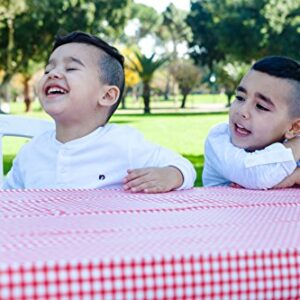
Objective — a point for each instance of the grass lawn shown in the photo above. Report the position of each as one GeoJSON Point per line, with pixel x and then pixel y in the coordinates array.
{"type": "Point", "coordinates": [182, 132]}
{"type": "Point", "coordinates": [175, 102]}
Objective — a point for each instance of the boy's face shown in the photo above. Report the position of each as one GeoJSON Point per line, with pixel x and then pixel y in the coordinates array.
{"type": "Point", "coordinates": [259, 115]}
{"type": "Point", "coordinates": [70, 88]}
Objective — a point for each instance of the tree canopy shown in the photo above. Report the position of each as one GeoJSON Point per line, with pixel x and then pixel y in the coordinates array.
{"type": "Point", "coordinates": [28, 27]}
{"type": "Point", "coordinates": [244, 29]}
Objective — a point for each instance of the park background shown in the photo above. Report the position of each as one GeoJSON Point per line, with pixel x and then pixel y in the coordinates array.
{"type": "Point", "coordinates": [183, 59]}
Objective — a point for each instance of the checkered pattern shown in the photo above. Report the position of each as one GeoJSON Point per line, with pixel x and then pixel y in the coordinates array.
{"type": "Point", "coordinates": [208, 243]}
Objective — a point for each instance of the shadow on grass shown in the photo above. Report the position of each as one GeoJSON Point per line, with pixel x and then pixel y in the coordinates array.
{"type": "Point", "coordinates": [7, 163]}
{"type": "Point", "coordinates": [37, 109]}
{"type": "Point", "coordinates": [197, 161]}
{"type": "Point", "coordinates": [123, 122]}
{"type": "Point", "coordinates": [171, 114]}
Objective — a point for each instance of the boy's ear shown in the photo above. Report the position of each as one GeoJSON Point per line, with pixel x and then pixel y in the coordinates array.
{"type": "Point", "coordinates": [294, 130]}
{"type": "Point", "coordinates": [110, 96]}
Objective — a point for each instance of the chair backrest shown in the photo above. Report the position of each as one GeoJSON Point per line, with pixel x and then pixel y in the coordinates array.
{"type": "Point", "coordinates": [21, 127]}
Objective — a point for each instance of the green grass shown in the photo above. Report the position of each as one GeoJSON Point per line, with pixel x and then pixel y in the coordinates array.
{"type": "Point", "coordinates": [182, 132]}
{"type": "Point", "coordinates": [175, 101]}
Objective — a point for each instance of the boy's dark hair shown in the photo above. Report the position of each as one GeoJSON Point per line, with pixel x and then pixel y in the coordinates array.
{"type": "Point", "coordinates": [285, 68]}
{"type": "Point", "coordinates": [111, 63]}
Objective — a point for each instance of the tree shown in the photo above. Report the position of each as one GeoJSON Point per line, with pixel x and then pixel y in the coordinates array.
{"type": "Point", "coordinates": [187, 75]}
{"type": "Point", "coordinates": [204, 43]}
{"type": "Point", "coordinates": [9, 10]}
{"type": "Point", "coordinates": [35, 26]}
{"type": "Point", "coordinates": [174, 31]}
{"type": "Point", "coordinates": [242, 31]}
{"type": "Point", "coordinates": [146, 67]}
{"type": "Point", "coordinates": [143, 21]}
{"type": "Point", "coordinates": [131, 76]}
{"type": "Point", "coordinates": [245, 30]}
{"type": "Point", "coordinates": [228, 76]}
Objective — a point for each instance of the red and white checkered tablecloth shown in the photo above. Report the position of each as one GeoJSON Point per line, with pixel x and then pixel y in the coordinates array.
{"type": "Point", "coordinates": [205, 243]}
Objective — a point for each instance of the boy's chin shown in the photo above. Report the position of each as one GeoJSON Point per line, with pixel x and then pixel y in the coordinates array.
{"type": "Point", "coordinates": [248, 148]}
{"type": "Point", "coordinates": [244, 146]}
{"type": "Point", "coordinates": [53, 112]}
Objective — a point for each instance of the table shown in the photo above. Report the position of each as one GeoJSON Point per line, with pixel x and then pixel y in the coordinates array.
{"type": "Point", "coordinates": [204, 243]}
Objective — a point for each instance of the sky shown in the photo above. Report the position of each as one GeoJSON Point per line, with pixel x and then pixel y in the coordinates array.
{"type": "Point", "coordinates": [160, 5]}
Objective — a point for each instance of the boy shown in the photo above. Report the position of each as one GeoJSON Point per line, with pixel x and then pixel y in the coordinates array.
{"type": "Point", "coordinates": [81, 88]}
{"type": "Point", "coordinates": [251, 151]}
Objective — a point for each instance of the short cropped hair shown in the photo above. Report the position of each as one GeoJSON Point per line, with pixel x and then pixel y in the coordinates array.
{"type": "Point", "coordinates": [285, 68]}
{"type": "Point", "coordinates": [111, 63]}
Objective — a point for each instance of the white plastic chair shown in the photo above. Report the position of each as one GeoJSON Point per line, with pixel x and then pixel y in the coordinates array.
{"type": "Point", "coordinates": [20, 127]}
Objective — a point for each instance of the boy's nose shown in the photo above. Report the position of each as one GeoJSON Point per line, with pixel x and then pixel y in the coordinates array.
{"type": "Point", "coordinates": [245, 112]}
{"type": "Point", "coordinates": [54, 74]}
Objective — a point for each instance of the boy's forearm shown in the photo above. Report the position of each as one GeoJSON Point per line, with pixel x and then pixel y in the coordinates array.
{"type": "Point", "coordinates": [258, 170]}
{"type": "Point", "coordinates": [296, 175]}
{"type": "Point", "coordinates": [175, 177]}
{"type": "Point", "coordinates": [184, 173]}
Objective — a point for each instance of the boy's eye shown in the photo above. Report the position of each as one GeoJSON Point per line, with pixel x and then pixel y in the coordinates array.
{"type": "Point", "coordinates": [47, 71]}
{"type": "Point", "coordinates": [239, 98]}
{"type": "Point", "coordinates": [71, 69]}
{"type": "Point", "coordinates": [260, 107]}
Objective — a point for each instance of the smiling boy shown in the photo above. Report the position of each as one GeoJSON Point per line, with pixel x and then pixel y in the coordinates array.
{"type": "Point", "coordinates": [259, 147]}
{"type": "Point", "coordinates": [81, 88]}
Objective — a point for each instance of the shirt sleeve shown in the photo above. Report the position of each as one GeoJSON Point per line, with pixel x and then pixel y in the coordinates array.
{"type": "Point", "coordinates": [262, 169]}
{"type": "Point", "coordinates": [143, 153]}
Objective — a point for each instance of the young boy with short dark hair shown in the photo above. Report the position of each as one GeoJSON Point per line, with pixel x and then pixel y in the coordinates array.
{"type": "Point", "coordinates": [259, 148]}
{"type": "Point", "coordinates": [81, 88]}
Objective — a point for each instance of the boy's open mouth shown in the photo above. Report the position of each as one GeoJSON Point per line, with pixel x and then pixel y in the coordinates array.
{"type": "Point", "coordinates": [55, 90]}
{"type": "Point", "coordinates": [241, 130]}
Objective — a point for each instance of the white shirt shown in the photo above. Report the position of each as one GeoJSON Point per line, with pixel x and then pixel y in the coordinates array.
{"type": "Point", "coordinates": [99, 160]}
{"type": "Point", "coordinates": [225, 163]}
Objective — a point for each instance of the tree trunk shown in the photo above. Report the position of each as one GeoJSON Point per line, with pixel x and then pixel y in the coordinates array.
{"type": "Point", "coordinates": [123, 103]}
{"type": "Point", "coordinates": [146, 97]}
{"type": "Point", "coordinates": [167, 88]}
{"type": "Point", "coordinates": [27, 99]}
{"type": "Point", "coordinates": [123, 100]}
{"type": "Point", "coordinates": [5, 106]}
{"type": "Point", "coordinates": [10, 46]}
{"type": "Point", "coordinates": [184, 96]}
{"type": "Point", "coordinates": [229, 94]}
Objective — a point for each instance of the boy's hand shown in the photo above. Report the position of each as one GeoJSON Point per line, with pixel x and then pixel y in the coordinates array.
{"type": "Point", "coordinates": [153, 180]}
{"type": "Point", "coordinates": [291, 180]}
{"type": "Point", "coordinates": [294, 144]}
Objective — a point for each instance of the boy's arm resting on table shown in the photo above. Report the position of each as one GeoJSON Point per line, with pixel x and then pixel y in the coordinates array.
{"type": "Point", "coordinates": [289, 181]}
{"type": "Point", "coordinates": [256, 170]}
{"type": "Point", "coordinates": [153, 180]}
{"type": "Point", "coordinates": [154, 168]}
{"type": "Point", "coordinates": [294, 145]}
{"type": "Point", "coordinates": [294, 178]}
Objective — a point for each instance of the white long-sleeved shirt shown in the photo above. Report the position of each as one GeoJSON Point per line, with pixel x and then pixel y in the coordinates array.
{"type": "Point", "coordinates": [225, 163]}
{"type": "Point", "coordinates": [99, 160]}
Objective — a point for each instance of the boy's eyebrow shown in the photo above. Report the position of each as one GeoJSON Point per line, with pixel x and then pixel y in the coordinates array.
{"type": "Point", "coordinates": [264, 98]}
{"type": "Point", "coordinates": [67, 59]}
{"type": "Point", "coordinates": [74, 59]}
{"type": "Point", "coordinates": [241, 89]}
{"type": "Point", "coordinates": [258, 95]}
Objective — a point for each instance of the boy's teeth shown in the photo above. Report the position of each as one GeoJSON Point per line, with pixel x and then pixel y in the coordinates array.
{"type": "Point", "coordinates": [56, 90]}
